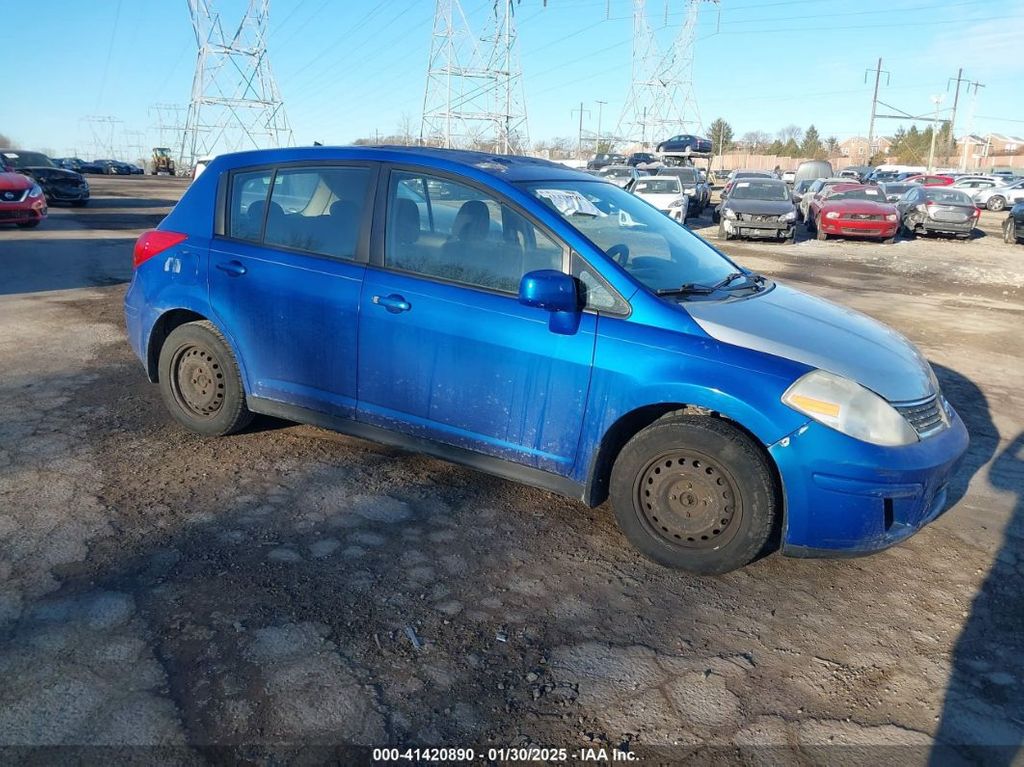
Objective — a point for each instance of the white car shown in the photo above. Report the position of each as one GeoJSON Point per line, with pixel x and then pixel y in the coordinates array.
{"type": "Point", "coordinates": [665, 193]}
{"type": "Point", "coordinates": [1000, 197]}
{"type": "Point", "coordinates": [788, 176]}
{"type": "Point", "coordinates": [620, 175]}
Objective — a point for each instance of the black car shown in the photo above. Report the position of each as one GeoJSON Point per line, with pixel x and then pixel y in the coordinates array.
{"type": "Point", "coordinates": [605, 159]}
{"type": "Point", "coordinates": [1013, 226]}
{"type": "Point", "coordinates": [685, 143]}
{"type": "Point", "coordinates": [641, 158]}
{"type": "Point", "coordinates": [58, 184]}
{"type": "Point", "coordinates": [69, 163]}
{"type": "Point", "coordinates": [758, 207]}
{"type": "Point", "coordinates": [694, 187]}
{"type": "Point", "coordinates": [95, 166]}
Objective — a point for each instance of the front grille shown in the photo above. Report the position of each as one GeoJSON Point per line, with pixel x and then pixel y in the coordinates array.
{"type": "Point", "coordinates": [13, 195]}
{"type": "Point", "coordinates": [757, 218]}
{"type": "Point", "coordinates": [15, 215]}
{"type": "Point", "coordinates": [864, 217]}
{"type": "Point", "coordinates": [924, 415]}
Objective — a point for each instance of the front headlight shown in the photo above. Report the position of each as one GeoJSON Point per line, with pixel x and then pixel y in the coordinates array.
{"type": "Point", "coordinates": [832, 214]}
{"type": "Point", "coordinates": [892, 217]}
{"type": "Point", "coordinates": [35, 191]}
{"type": "Point", "coordinates": [679, 202]}
{"type": "Point", "coordinates": [848, 407]}
{"type": "Point", "coordinates": [791, 216]}
{"type": "Point", "coordinates": [728, 213]}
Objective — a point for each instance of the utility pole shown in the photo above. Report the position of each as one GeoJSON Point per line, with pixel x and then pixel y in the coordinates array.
{"type": "Point", "coordinates": [952, 119]}
{"type": "Point", "coordinates": [935, 124]}
{"type": "Point", "coordinates": [581, 110]}
{"type": "Point", "coordinates": [874, 104]}
{"type": "Point", "coordinates": [597, 144]}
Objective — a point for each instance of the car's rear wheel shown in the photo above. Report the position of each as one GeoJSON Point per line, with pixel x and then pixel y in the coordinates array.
{"type": "Point", "coordinates": [200, 381]}
{"type": "Point", "coordinates": [1010, 231]}
{"type": "Point", "coordinates": [822, 235]}
{"type": "Point", "coordinates": [996, 202]}
{"type": "Point", "coordinates": [695, 493]}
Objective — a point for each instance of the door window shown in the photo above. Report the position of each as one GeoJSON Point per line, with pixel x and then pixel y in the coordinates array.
{"type": "Point", "coordinates": [317, 210]}
{"type": "Point", "coordinates": [248, 203]}
{"type": "Point", "coordinates": [440, 228]}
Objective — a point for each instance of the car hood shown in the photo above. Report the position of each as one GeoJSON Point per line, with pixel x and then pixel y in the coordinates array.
{"type": "Point", "coordinates": [47, 173]}
{"type": "Point", "coordinates": [759, 207]}
{"type": "Point", "coordinates": [794, 325]}
{"type": "Point", "coordinates": [659, 200]}
{"type": "Point", "coordinates": [14, 181]}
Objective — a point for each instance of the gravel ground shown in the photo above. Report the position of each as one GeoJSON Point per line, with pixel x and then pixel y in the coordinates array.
{"type": "Point", "coordinates": [289, 587]}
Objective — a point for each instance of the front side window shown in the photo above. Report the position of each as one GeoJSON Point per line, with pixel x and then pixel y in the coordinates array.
{"type": "Point", "coordinates": [656, 250]}
{"type": "Point", "coordinates": [440, 228]}
{"type": "Point", "coordinates": [317, 210]}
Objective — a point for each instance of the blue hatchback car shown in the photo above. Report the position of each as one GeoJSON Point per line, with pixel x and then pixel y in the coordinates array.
{"type": "Point", "coordinates": [546, 326]}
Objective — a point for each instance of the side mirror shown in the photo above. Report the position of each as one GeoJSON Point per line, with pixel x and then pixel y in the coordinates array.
{"type": "Point", "coordinates": [549, 289]}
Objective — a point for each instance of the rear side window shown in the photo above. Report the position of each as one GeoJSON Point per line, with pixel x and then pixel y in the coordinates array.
{"type": "Point", "coordinates": [317, 210]}
{"type": "Point", "coordinates": [248, 203]}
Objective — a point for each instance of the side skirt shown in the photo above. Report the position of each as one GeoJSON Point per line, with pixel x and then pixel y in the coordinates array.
{"type": "Point", "coordinates": [525, 475]}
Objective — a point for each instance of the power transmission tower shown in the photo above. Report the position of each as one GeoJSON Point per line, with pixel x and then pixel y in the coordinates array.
{"type": "Point", "coordinates": [661, 100]}
{"type": "Point", "coordinates": [235, 104]}
{"type": "Point", "coordinates": [101, 130]}
{"type": "Point", "coordinates": [168, 123]}
{"type": "Point", "coordinates": [474, 92]}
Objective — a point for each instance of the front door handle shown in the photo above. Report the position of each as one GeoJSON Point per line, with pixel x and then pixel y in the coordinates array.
{"type": "Point", "coordinates": [233, 268]}
{"type": "Point", "coordinates": [394, 303]}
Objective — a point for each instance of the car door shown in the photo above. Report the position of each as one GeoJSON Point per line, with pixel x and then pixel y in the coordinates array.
{"type": "Point", "coordinates": [446, 351]}
{"type": "Point", "coordinates": [285, 275]}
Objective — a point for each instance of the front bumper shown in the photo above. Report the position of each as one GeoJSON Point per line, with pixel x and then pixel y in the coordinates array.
{"type": "Point", "coordinates": [33, 209]}
{"type": "Point", "coordinates": [845, 497]}
{"type": "Point", "coordinates": [759, 229]}
{"type": "Point", "coordinates": [854, 228]}
{"type": "Point", "coordinates": [66, 193]}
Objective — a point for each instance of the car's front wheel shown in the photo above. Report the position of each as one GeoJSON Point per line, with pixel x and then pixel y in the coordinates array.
{"type": "Point", "coordinates": [996, 202]}
{"type": "Point", "coordinates": [200, 381]}
{"type": "Point", "coordinates": [695, 493]}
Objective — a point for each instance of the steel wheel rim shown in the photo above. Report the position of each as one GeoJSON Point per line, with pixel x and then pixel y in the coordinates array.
{"type": "Point", "coordinates": [197, 381]}
{"type": "Point", "coordinates": [688, 500]}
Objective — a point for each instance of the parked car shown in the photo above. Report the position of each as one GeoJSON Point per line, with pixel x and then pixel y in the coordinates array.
{"type": "Point", "coordinates": [814, 192]}
{"type": "Point", "coordinates": [95, 166]}
{"type": "Point", "coordinates": [685, 143]}
{"type": "Point", "coordinates": [694, 185]}
{"type": "Point", "coordinates": [1013, 226]}
{"type": "Point", "coordinates": [812, 170]}
{"type": "Point", "coordinates": [928, 209]}
{"type": "Point", "coordinates": [893, 190]}
{"type": "Point", "coordinates": [858, 172]}
{"type": "Point", "coordinates": [789, 176]}
{"type": "Point", "coordinates": [641, 158]}
{"type": "Point", "coordinates": [738, 174]}
{"type": "Point", "coordinates": [604, 160]}
{"type": "Point", "coordinates": [925, 179]}
{"type": "Point", "coordinates": [799, 190]}
{"type": "Point", "coordinates": [970, 184]}
{"type": "Point", "coordinates": [620, 175]}
{"type": "Point", "coordinates": [759, 208]}
{"type": "Point", "coordinates": [998, 197]}
{"type": "Point", "coordinates": [665, 193]}
{"type": "Point", "coordinates": [22, 201]}
{"type": "Point", "coordinates": [58, 184]}
{"type": "Point", "coordinates": [879, 176]}
{"type": "Point", "coordinates": [69, 163]}
{"type": "Point", "coordinates": [546, 328]}
{"type": "Point", "coordinates": [854, 210]}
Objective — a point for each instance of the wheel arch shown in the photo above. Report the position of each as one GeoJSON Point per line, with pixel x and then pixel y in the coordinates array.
{"type": "Point", "coordinates": [632, 423]}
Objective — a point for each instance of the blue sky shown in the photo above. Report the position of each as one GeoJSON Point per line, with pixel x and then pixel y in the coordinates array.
{"type": "Point", "coordinates": [349, 67]}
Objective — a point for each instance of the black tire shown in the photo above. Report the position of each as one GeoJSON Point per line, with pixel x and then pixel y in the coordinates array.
{"type": "Point", "coordinates": [212, 401]}
{"type": "Point", "coordinates": [29, 224]}
{"type": "Point", "coordinates": [889, 240]}
{"type": "Point", "coordinates": [1010, 231]}
{"type": "Point", "coordinates": [822, 235]}
{"type": "Point", "coordinates": [683, 463]}
{"type": "Point", "coordinates": [809, 222]}
{"type": "Point", "coordinates": [996, 202]}
{"type": "Point", "coordinates": [716, 216]}
{"type": "Point", "coordinates": [790, 239]}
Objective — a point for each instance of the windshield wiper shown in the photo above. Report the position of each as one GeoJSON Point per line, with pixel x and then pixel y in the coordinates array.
{"type": "Point", "coordinates": [755, 279]}
{"type": "Point", "coordinates": [687, 289]}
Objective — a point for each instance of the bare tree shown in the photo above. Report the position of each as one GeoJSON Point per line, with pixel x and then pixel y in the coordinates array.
{"type": "Point", "coordinates": [791, 133]}
{"type": "Point", "coordinates": [405, 128]}
{"type": "Point", "coordinates": [756, 140]}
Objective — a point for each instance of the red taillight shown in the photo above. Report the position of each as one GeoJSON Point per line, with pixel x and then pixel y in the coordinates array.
{"type": "Point", "coordinates": [977, 212]}
{"type": "Point", "coordinates": [153, 242]}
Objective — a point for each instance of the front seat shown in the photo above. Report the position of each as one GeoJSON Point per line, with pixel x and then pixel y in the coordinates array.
{"type": "Point", "coordinates": [464, 252]}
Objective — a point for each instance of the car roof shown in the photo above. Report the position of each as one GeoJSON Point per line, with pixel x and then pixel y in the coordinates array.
{"type": "Point", "coordinates": [504, 167]}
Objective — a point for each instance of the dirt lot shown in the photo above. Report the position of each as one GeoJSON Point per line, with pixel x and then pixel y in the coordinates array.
{"type": "Point", "coordinates": [290, 587]}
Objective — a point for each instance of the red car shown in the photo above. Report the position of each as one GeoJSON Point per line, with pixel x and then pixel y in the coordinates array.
{"type": "Point", "coordinates": [22, 201]}
{"type": "Point", "coordinates": [928, 180]}
{"type": "Point", "coordinates": [853, 210]}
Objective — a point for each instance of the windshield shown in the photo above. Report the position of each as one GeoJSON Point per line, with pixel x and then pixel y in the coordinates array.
{"type": "Point", "coordinates": [657, 186]}
{"type": "Point", "coordinates": [687, 175]}
{"type": "Point", "coordinates": [28, 160]}
{"type": "Point", "coordinates": [657, 251]}
{"type": "Point", "coordinates": [760, 190]}
{"type": "Point", "coordinates": [870, 193]}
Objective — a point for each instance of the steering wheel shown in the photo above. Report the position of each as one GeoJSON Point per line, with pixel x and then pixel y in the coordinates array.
{"type": "Point", "coordinates": [620, 253]}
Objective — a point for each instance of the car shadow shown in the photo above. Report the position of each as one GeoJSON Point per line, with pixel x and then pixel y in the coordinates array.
{"type": "Point", "coordinates": [982, 718]}
{"type": "Point", "coordinates": [59, 263]}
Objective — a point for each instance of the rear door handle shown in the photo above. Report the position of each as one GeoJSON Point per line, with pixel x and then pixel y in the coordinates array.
{"type": "Point", "coordinates": [394, 303]}
{"type": "Point", "coordinates": [233, 268]}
